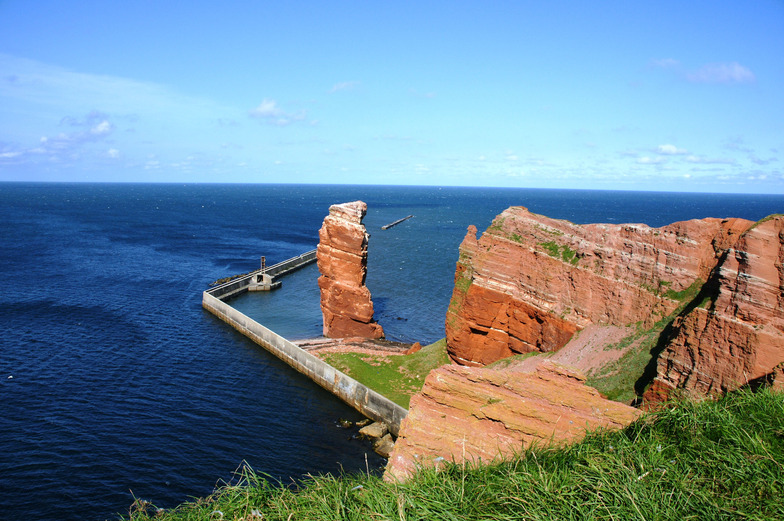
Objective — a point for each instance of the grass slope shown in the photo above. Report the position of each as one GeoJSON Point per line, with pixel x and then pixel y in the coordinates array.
{"type": "Point", "coordinates": [709, 460]}
{"type": "Point", "coordinates": [398, 377]}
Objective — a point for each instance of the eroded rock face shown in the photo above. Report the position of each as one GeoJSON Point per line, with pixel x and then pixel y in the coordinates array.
{"type": "Point", "coordinates": [735, 334]}
{"type": "Point", "coordinates": [530, 282]}
{"type": "Point", "coordinates": [472, 414]}
{"type": "Point", "coordinates": [342, 261]}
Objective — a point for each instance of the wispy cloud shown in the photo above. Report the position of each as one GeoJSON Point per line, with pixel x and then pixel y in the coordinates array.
{"type": "Point", "coordinates": [94, 127]}
{"type": "Point", "coordinates": [710, 161]}
{"type": "Point", "coordinates": [667, 63]}
{"type": "Point", "coordinates": [269, 111]}
{"type": "Point", "coordinates": [647, 160]}
{"type": "Point", "coordinates": [96, 108]}
{"type": "Point", "coordinates": [732, 72]}
{"type": "Point", "coordinates": [670, 150]}
{"type": "Point", "coordinates": [723, 72]}
{"type": "Point", "coordinates": [345, 85]}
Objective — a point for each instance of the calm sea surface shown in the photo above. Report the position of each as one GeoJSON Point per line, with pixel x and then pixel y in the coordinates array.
{"type": "Point", "coordinates": [115, 384]}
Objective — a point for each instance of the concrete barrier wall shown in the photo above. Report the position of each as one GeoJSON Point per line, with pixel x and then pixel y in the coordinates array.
{"type": "Point", "coordinates": [293, 264]}
{"type": "Point", "coordinates": [363, 399]}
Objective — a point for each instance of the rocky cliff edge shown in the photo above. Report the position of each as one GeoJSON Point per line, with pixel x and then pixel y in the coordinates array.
{"type": "Point", "coordinates": [530, 282]}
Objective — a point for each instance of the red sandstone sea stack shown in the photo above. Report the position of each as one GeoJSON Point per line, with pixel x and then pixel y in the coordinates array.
{"type": "Point", "coordinates": [342, 262]}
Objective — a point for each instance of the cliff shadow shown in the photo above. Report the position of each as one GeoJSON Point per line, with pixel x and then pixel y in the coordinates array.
{"type": "Point", "coordinates": [708, 292]}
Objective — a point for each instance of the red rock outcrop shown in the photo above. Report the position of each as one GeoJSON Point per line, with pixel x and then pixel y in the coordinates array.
{"type": "Point", "coordinates": [486, 415]}
{"type": "Point", "coordinates": [530, 282]}
{"type": "Point", "coordinates": [735, 335]}
{"type": "Point", "coordinates": [342, 261]}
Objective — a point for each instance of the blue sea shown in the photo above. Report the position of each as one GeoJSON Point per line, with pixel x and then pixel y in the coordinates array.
{"type": "Point", "coordinates": [115, 384]}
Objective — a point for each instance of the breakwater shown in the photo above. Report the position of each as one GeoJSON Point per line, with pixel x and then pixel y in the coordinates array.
{"type": "Point", "coordinates": [395, 223]}
{"type": "Point", "coordinates": [360, 397]}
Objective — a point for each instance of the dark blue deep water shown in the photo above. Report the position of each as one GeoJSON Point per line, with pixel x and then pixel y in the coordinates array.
{"type": "Point", "coordinates": [115, 384]}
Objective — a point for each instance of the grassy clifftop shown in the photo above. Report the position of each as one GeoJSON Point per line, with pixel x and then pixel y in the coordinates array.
{"type": "Point", "coordinates": [709, 460]}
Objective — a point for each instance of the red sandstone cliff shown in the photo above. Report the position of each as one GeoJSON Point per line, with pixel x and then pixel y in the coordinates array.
{"type": "Point", "coordinates": [530, 282]}
{"type": "Point", "coordinates": [342, 262]}
{"type": "Point", "coordinates": [475, 414]}
{"type": "Point", "coordinates": [735, 335]}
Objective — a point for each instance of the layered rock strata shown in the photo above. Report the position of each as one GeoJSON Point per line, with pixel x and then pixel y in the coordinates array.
{"type": "Point", "coordinates": [530, 282]}
{"type": "Point", "coordinates": [342, 261]}
{"type": "Point", "coordinates": [483, 415]}
{"type": "Point", "coordinates": [734, 335]}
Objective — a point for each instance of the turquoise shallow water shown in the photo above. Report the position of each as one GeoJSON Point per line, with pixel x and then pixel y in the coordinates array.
{"type": "Point", "coordinates": [116, 384]}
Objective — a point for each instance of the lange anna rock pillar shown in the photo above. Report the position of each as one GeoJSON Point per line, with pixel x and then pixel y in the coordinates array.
{"type": "Point", "coordinates": [342, 262]}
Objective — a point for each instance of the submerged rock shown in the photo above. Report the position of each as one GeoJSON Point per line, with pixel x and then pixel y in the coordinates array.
{"type": "Point", "coordinates": [375, 430]}
{"type": "Point", "coordinates": [384, 446]}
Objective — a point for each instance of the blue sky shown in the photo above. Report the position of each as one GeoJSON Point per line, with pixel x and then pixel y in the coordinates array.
{"type": "Point", "coordinates": [659, 95]}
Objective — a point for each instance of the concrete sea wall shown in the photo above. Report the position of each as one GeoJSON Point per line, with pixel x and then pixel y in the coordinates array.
{"type": "Point", "coordinates": [360, 397]}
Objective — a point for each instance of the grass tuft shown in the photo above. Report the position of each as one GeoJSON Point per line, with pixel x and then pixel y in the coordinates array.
{"type": "Point", "coordinates": [708, 460]}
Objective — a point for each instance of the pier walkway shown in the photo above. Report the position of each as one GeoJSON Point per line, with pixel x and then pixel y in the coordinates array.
{"type": "Point", "coordinates": [360, 397]}
{"type": "Point", "coordinates": [262, 279]}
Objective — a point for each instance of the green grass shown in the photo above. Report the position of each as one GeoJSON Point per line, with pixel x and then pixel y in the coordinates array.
{"type": "Point", "coordinates": [622, 380]}
{"type": "Point", "coordinates": [764, 219]}
{"type": "Point", "coordinates": [710, 460]}
{"type": "Point", "coordinates": [509, 360]}
{"type": "Point", "coordinates": [396, 377]}
{"type": "Point", "coordinates": [561, 251]}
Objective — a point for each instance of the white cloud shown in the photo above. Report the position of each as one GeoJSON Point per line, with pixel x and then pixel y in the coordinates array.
{"type": "Point", "coordinates": [269, 111]}
{"type": "Point", "coordinates": [725, 72]}
{"type": "Point", "coordinates": [268, 108]}
{"type": "Point", "coordinates": [113, 153]}
{"type": "Point", "coordinates": [646, 160]}
{"type": "Point", "coordinates": [670, 150]}
{"type": "Point", "coordinates": [102, 128]}
{"type": "Point", "coordinates": [345, 85]}
{"type": "Point", "coordinates": [732, 72]}
{"type": "Point", "coordinates": [42, 93]}
{"type": "Point", "coordinates": [65, 144]}
{"type": "Point", "coordinates": [706, 161]}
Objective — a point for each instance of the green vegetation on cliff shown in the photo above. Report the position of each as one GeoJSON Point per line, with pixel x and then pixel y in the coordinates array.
{"type": "Point", "coordinates": [626, 378]}
{"type": "Point", "coordinates": [709, 460]}
{"type": "Point", "coordinates": [562, 251]}
{"type": "Point", "coordinates": [398, 377]}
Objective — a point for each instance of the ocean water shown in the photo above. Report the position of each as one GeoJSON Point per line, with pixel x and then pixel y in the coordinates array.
{"type": "Point", "coordinates": [114, 382]}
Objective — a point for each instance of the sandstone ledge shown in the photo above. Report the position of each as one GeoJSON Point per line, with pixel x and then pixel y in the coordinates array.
{"type": "Point", "coordinates": [483, 415]}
